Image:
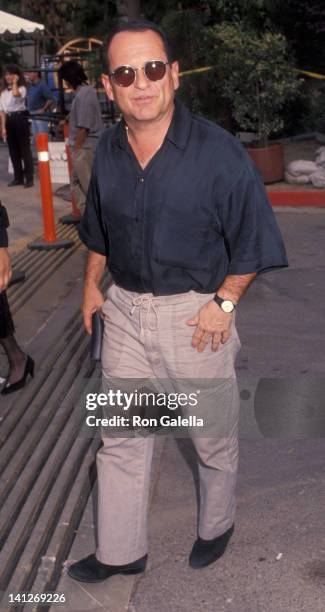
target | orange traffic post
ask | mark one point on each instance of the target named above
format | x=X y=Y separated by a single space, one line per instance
x=75 y=215
x=50 y=240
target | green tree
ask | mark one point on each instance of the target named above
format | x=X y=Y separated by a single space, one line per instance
x=303 y=24
x=7 y=55
x=255 y=75
x=66 y=19
x=185 y=32
x=57 y=15
x=10 y=6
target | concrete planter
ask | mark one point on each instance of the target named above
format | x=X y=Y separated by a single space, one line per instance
x=269 y=161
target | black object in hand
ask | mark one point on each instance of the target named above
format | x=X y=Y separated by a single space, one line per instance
x=96 y=336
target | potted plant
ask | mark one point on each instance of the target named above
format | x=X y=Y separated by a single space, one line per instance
x=257 y=78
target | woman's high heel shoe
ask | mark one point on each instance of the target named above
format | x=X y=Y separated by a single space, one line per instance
x=19 y=384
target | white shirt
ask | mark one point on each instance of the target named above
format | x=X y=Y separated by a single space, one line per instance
x=12 y=104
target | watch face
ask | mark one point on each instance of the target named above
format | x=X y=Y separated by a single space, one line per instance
x=227 y=306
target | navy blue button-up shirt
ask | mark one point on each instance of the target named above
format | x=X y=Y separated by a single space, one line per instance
x=196 y=213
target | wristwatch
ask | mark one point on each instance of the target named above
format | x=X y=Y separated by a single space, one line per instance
x=225 y=305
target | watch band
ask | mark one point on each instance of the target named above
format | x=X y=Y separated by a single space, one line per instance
x=225 y=305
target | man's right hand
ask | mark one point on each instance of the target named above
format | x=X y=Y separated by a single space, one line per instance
x=5 y=269
x=92 y=301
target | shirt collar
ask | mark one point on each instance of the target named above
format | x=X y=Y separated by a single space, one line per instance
x=120 y=136
x=178 y=131
x=180 y=127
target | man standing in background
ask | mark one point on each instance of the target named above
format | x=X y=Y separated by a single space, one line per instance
x=39 y=100
x=85 y=127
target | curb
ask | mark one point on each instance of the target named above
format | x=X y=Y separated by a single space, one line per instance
x=297 y=198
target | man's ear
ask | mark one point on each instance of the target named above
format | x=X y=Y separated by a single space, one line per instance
x=107 y=86
x=174 y=69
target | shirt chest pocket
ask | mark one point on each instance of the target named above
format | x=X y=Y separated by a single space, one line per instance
x=182 y=243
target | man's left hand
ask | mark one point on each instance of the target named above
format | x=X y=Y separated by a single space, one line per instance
x=211 y=322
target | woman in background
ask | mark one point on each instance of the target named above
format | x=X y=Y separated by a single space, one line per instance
x=15 y=125
x=20 y=364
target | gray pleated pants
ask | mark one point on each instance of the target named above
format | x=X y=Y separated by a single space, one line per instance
x=146 y=337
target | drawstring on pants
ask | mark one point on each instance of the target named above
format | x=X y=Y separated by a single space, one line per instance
x=148 y=301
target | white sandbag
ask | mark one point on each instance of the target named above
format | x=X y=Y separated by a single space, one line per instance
x=303 y=179
x=301 y=166
x=318 y=178
x=320 y=157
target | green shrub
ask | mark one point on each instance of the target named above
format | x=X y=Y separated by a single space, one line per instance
x=255 y=74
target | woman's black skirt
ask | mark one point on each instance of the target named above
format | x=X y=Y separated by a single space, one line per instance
x=6 y=322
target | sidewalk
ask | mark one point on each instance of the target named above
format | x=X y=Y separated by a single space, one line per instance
x=25 y=212
x=276 y=559
x=24 y=206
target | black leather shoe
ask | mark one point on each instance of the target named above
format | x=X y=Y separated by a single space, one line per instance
x=29 y=184
x=205 y=552
x=92 y=570
x=14 y=183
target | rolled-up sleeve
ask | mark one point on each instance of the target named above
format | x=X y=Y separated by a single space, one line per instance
x=92 y=230
x=251 y=234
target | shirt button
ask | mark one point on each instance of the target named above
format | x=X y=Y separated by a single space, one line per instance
x=142 y=179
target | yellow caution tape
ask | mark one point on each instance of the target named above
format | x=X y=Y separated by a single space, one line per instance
x=196 y=70
x=313 y=75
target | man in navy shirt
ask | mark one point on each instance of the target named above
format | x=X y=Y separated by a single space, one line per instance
x=39 y=100
x=178 y=211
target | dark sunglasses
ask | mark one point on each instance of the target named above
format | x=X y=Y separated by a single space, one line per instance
x=124 y=76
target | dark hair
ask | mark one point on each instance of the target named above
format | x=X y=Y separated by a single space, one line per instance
x=35 y=71
x=14 y=69
x=73 y=73
x=139 y=25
